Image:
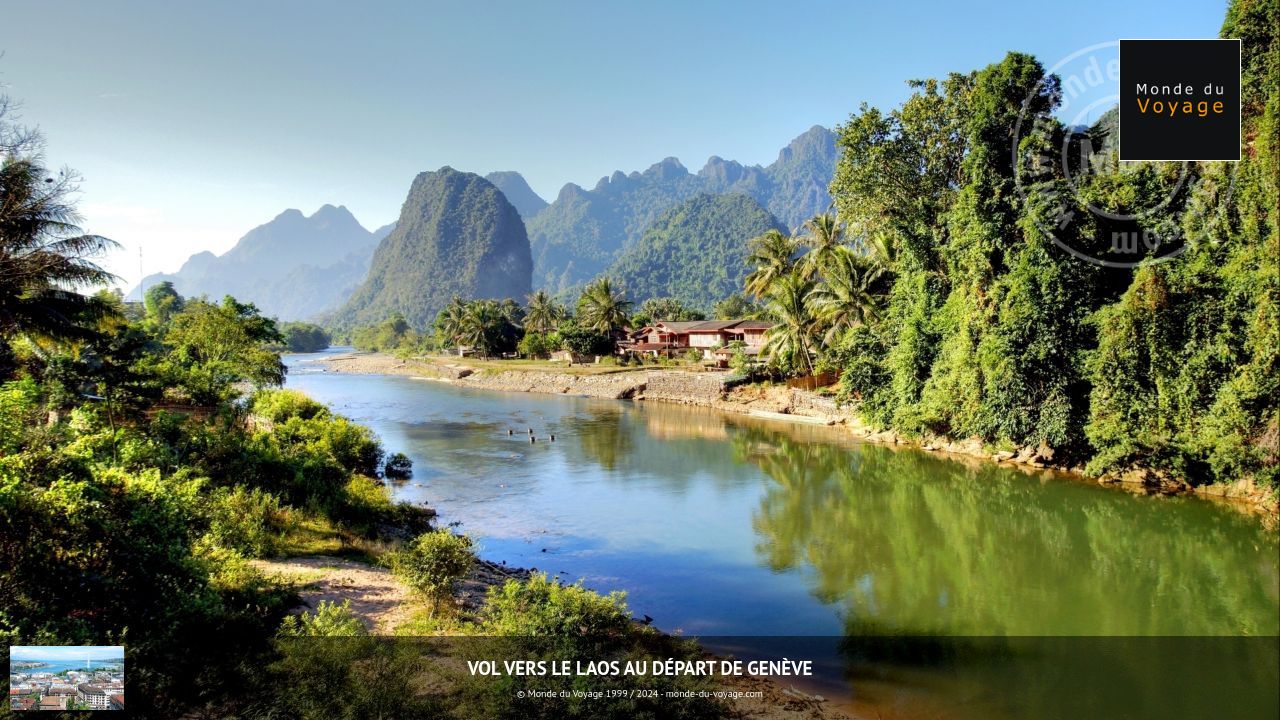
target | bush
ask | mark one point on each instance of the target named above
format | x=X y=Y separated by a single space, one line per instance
x=543 y=607
x=328 y=620
x=536 y=345
x=433 y=562
x=248 y=520
x=398 y=466
x=280 y=405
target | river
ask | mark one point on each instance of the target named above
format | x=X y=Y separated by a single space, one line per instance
x=926 y=585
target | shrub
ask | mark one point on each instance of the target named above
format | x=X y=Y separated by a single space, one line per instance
x=543 y=607
x=248 y=520
x=280 y=405
x=328 y=620
x=398 y=466
x=433 y=562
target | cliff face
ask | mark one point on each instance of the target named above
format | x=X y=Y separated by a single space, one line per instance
x=457 y=235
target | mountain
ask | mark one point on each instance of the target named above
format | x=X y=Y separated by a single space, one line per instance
x=696 y=251
x=583 y=231
x=457 y=235
x=293 y=267
x=512 y=184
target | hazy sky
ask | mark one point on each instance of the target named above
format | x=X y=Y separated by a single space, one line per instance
x=54 y=653
x=193 y=122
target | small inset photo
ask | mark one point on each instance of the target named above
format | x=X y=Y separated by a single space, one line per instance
x=66 y=677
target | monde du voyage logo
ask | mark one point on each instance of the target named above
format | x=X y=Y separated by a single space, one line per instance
x=1179 y=100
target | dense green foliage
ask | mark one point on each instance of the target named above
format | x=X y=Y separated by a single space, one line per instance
x=984 y=328
x=694 y=251
x=457 y=236
x=584 y=231
x=300 y=337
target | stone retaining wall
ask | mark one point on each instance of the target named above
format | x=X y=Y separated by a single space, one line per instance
x=688 y=388
x=617 y=386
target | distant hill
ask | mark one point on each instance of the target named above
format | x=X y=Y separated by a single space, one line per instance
x=583 y=231
x=457 y=235
x=512 y=184
x=695 y=251
x=293 y=267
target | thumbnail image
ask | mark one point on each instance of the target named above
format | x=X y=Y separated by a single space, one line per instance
x=66 y=677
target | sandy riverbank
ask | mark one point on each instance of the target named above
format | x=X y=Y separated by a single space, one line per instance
x=765 y=401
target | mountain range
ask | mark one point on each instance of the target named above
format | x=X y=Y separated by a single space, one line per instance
x=583 y=231
x=294 y=266
x=303 y=267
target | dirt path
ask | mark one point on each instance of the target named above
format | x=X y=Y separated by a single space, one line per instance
x=377 y=597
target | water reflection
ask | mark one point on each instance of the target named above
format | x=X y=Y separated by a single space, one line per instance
x=906 y=543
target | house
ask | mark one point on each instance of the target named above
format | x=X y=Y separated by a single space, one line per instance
x=666 y=338
x=21 y=703
x=117 y=702
x=93 y=696
x=54 y=702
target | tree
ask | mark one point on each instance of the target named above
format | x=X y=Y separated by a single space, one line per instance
x=789 y=342
x=735 y=307
x=216 y=346
x=846 y=297
x=665 y=308
x=823 y=235
x=773 y=255
x=162 y=302
x=484 y=326
x=543 y=314
x=602 y=307
x=44 y=255
x=449 y=321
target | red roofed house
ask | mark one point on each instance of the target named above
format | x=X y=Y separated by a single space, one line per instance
x=709 y=336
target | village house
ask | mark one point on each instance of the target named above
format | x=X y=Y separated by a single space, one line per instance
x=710 y=337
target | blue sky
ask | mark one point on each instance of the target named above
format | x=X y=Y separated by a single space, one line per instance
x=193 y=122
x=68 y=653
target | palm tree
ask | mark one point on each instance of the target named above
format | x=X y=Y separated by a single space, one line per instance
x=773 y=255
x=543 y=313
x=823 y=234
x=602 y=307
x=450 y=320
x=481 y=325
x=45 y=256
x=793 y=330
x=846 y=296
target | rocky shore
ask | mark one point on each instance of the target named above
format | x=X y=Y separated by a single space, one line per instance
x=709 y=389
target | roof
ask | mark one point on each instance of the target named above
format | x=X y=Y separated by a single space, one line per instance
x=88 y=689
x=711 y=326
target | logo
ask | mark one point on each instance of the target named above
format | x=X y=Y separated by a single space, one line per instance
x=1118 y=213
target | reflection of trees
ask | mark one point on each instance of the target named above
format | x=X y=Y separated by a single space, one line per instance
x=668 y=444
x=909 y=543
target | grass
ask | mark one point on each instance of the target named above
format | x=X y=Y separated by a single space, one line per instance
x=319 y=536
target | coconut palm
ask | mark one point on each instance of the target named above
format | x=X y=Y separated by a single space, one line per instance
x=602 y=307
x=543 y=313
x=773 y=255
x=793 y=331
x=823 y=235
x=846 y=297
x=45 y=256
x=450 y=321
x=482 y=324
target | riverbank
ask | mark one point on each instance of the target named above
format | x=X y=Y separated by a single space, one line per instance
x=776 y=402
